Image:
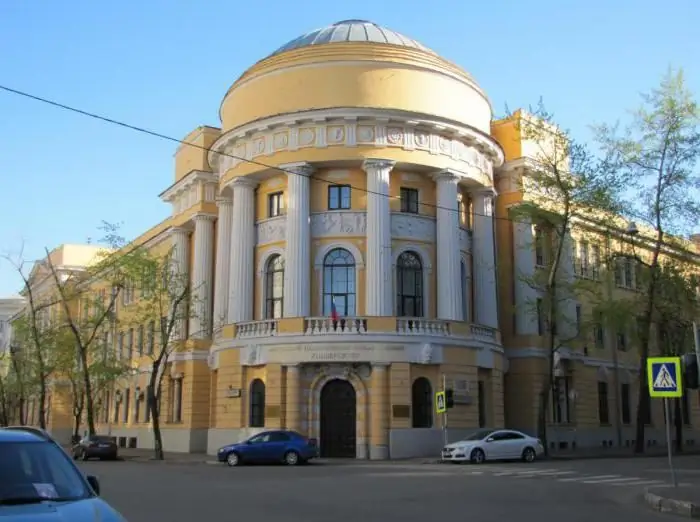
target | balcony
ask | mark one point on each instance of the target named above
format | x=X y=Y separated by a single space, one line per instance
x=402 y=326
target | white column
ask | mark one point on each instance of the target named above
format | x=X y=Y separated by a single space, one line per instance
x=567 y=296
x=523 y=275
x=449 y=276
x=379 y=292
x=223 y=268
x=297 y=259
x=484 y=256
x=180 y=271
x=200 y=321
x=242 y=275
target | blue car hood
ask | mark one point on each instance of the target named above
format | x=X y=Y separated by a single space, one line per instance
x=89 y=510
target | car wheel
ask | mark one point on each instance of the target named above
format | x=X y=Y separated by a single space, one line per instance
x=477 y=456
x=233 y=459
x=291 y=458
x=529 y=455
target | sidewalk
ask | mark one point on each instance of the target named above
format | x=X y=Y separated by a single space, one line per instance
x=683 y=500
x=616 y=453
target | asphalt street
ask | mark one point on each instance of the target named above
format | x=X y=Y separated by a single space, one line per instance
x=604 y=490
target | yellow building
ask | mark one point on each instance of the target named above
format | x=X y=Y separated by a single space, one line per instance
x=339 y=230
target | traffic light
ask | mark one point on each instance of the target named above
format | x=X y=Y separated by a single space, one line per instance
x=449 y=398
x=690 y=371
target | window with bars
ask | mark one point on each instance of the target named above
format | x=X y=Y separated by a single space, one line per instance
x=603 y=408
x=409 y=200
x=257 y=404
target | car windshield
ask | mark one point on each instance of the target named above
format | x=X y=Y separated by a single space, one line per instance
x=35 y=471
x=479 y=435
x=101 y=438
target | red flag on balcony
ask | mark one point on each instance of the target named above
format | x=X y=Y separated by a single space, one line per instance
x=334 y=312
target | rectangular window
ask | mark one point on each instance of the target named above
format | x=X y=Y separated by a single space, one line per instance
x=151 y=337
x=540 y=247
x=578 y=319
x=603 y=412
x=127 y=397
x=130 y=347
x=540 y=318
x=625 y=404
x=339 y=197
x=560 y=401
x=595 y=261
x=275 y=204
x=409 y=200
x=621 y=341
x=599 y=331
x=139 y=342
x=120 y=346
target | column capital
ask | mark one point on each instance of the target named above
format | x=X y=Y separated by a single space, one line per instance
x=201 y=216
x=298 y=168
x=243 y=182
x=448 y=175
x=486 y=192
x=377 y=164
x=223 y=200
x=180 y=230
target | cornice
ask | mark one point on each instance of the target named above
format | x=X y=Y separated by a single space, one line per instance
x=353 y=127
x=186 y=182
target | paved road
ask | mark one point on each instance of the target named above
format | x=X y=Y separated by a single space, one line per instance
x=571 y=490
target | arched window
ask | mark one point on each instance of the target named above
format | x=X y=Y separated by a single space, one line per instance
x=257 y=404
x=274 y=287
x=409 y=285
x=465 y=291
x=422 y=403
x=339 y=283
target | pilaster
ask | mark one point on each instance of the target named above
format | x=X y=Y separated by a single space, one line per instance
x=523 y=274
x=484 y=257
x=222 y=268
x=297 y=280
x=379 y=414
x=293 y=398
x=242 y=272
x=379 y=290
x=449 y=277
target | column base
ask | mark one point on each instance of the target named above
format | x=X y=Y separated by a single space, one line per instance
x=378 y=452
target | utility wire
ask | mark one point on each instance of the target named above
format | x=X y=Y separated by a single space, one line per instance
x=209 y=149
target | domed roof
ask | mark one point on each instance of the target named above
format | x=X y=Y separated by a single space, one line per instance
x=352 y=31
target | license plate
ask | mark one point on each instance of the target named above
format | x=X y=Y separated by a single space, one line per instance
x=104 y=445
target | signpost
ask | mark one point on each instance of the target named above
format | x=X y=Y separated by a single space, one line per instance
x=665 y=382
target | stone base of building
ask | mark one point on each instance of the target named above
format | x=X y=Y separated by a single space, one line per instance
x=566 y=439
x=176 y=440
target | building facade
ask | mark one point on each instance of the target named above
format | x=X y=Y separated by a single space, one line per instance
x=346 y=233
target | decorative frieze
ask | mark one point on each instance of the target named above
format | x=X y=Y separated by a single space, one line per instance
x=329 y=224
x=271 y=230
x=412 y=227
x=475 y=152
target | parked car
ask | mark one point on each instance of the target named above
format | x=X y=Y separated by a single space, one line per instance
x=288 y=447
x=39 y=481
x=95 y=446
x=489 y=444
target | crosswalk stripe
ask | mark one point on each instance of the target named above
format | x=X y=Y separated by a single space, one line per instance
x=547 y=475
x=536 y=472
x=476 y=472
x=588 y=478
x=638 y=483
x=616 y=480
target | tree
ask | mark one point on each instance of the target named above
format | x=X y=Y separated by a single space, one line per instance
x=165 y=304
x=563 y=186
x=87 y=312
x=657 y=153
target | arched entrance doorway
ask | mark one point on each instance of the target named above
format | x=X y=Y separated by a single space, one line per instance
x=338 y=420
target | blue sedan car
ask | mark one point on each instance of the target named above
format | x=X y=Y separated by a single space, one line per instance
x=39 y=481
x=289 y=447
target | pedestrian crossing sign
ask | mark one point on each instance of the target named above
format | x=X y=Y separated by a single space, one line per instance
x=665 y=376
x=440 y=402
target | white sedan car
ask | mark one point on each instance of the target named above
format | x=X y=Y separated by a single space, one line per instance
x=493 y=445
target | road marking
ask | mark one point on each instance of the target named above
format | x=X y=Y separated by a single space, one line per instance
x=547 y=475
x=588 y=478
x=411 y=474
x=615 y=480
x=476 y=472
x=537 y=472
x=638 y=483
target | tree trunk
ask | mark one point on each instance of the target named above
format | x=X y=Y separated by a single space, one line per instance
x=153 y=392
x=3 y=405
x=42 y=402
x=89 y=404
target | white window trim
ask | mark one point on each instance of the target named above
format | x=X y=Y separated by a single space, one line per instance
x=321 y=254
x=260 y=273
x=424 y=256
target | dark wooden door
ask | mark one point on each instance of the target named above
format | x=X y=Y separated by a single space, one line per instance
x=338 y=420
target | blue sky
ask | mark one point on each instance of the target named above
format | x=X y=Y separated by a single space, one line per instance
x=165 y=65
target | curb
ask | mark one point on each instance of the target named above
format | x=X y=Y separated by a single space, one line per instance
x=668 y=505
